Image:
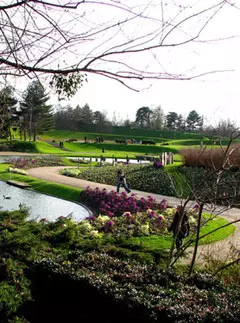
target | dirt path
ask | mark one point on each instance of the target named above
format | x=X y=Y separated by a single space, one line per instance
x=221 y=250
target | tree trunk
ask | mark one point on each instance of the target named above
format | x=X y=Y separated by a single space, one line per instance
x=197 y=239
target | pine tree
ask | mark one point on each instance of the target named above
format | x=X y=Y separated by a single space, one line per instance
x=37 y=116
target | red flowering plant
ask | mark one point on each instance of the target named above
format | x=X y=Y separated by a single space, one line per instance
x=115 y=204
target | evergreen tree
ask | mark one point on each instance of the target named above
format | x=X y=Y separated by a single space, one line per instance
x=171 y=120
x=194 y=121
x=143 y=117
x=37 y=115
x=7 y=111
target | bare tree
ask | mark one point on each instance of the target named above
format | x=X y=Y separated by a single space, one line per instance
x=71 y=39
x=215 y=188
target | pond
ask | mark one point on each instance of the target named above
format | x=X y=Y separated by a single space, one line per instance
x=40 y=205
x=109 y=160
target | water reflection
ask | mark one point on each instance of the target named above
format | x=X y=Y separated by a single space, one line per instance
x=109 y=160
x=40 y=205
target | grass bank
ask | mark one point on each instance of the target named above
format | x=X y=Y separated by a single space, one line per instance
x=54 y=189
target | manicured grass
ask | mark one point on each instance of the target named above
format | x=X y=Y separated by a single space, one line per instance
x=112 y=148
x=45 y=148
x=123 y=132
x=218 y=235
x=58 y=190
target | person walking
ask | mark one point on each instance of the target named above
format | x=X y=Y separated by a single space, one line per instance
x=122 y=181
x=184 y=227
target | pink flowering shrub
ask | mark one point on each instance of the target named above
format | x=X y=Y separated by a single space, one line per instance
x=115 y=204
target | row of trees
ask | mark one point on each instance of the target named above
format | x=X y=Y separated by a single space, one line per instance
x=81 y=119
x=31 y=114
x=155 y=119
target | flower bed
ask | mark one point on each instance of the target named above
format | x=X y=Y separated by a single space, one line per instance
x=31 y=162
x=115 y=204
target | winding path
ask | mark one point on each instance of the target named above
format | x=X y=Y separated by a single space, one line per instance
x=219 y=250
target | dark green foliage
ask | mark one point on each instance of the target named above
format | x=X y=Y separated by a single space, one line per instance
x=143 y=117
x=194 y=121
x=137 y=293
x=7 y=110
x=67 y=85
x=53 y=272
x=22 y=146
x=35 y=112
x=139 y=177
x=204 y=183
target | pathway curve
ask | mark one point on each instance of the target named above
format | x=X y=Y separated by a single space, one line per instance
x=220 y=250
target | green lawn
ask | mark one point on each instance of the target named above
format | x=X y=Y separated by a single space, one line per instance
x=121 y=133
x=157 y=243
x=58 y=190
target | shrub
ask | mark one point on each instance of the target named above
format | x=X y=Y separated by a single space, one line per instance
x=212 y=158
x=140 y=177
x=115 y=204
x=148 y=142
x=203 y=182
x=137 y=293
x=31 y=162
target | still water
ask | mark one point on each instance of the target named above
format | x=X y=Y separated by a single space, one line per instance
x=109 y=160
x=40 y=205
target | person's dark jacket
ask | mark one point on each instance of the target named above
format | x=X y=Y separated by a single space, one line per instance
x=185 y=227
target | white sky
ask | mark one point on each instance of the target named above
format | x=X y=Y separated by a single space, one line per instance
x=216 y=96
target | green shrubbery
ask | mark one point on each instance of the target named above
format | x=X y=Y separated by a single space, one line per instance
x=127 y=291
x=203 y=182
x=70 y=264
x=140 y=177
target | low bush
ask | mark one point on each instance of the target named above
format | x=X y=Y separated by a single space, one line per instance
x=203 y=182
x=133 y=292
x=22 y=146
x=148 y=142
x=212 y=158
x=140 y=177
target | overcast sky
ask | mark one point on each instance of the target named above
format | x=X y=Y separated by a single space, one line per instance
x=216 y=96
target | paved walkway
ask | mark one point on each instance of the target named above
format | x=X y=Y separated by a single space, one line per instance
x=220 y=250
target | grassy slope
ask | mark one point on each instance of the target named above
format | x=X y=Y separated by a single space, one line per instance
x=58 y=190
x=123 y=132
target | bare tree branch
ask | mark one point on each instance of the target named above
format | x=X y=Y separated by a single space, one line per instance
x=55 y=38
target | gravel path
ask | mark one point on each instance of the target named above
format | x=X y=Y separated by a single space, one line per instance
x=221 y=250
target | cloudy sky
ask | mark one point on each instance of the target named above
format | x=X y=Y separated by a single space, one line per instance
x=215 y=54
x=216 y=96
